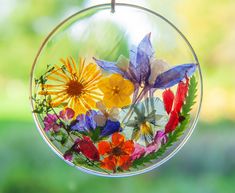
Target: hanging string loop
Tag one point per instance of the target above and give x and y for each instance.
(113, 6)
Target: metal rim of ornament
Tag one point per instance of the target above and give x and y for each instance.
(161, 161)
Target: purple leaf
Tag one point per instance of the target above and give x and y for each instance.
(174, 76)
(109, 66)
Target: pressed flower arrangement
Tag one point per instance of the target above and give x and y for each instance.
(117, 117)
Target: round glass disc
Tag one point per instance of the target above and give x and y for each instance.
(116, 94)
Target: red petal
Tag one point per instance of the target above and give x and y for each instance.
(168, 98)
(109, 163)
(89, 149)
(117, 139)
(181, 94)
(124, 162)
(172, 123)
(104, 147)
(128, 147)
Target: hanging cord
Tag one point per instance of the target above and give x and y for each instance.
(113, 3)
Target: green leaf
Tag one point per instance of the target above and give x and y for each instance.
(64, 139)
(95, 134)
(79, 160)
(173, 137)
(192, 94)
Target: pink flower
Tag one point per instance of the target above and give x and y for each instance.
(160, 137)
(68, 155)
(67, 114)
(151, 148)
(139, 151)
(50, 122)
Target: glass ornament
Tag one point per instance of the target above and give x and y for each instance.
(116, 93)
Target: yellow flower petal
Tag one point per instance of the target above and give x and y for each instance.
(127, 88)
(125, 100)
(116, 80)
(104, 85)
(117, 91)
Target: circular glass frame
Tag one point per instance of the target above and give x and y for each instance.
(168, 154)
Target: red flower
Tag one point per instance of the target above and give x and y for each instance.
(172, 123)
(181, 94)
(87, 148)
(178, 100)
(168, 99)
(117, 154)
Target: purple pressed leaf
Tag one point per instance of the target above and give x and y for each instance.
(174, 76)
(109, 66)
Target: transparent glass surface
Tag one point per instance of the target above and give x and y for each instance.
(95, 34)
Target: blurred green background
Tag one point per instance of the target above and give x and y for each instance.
(205, 164)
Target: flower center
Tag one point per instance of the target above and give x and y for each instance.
(145, 128)
(117, 151)
(116, 90)
(75, 88)
(106, 114)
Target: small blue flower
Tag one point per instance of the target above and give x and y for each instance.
(87, 123)
(90, 121)
(84, 122)
(110, 128)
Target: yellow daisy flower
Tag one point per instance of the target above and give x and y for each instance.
(116, 90)
(74, 84)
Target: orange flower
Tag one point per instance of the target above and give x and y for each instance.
(116, 153)
(74, 85)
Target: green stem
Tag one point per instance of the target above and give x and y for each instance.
(139, 97)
